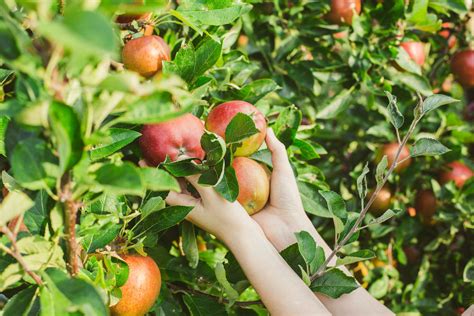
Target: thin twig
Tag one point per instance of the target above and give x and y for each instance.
(175, 288)
(15, 253)
(354, 228)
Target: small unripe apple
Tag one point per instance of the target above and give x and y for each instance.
(142, 288)
(222, 115)
(456, 171)
(342, 11)
(145, 54)
(178, 138)
(381, 202)
(390, 150)
(254, 184)
(416, 51)
(462, 66)
(426, 204)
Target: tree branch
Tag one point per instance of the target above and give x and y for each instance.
(15, 253)
(175, 288)
(354, 228)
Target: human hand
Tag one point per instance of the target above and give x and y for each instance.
(212, 212)
(284, 214)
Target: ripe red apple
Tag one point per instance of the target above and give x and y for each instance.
(342, 11)
(145, 54)
(426, 204)
(456, 171)
(254, 184)
(462, 66)
(221, 115)
(142, 288)
(390, 150)
(177, 138)
(382, 201)
(415, 50)
(446, 32)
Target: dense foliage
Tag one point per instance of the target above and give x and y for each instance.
(345, 93)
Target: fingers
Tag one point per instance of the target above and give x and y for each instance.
(279, 155)
(204, 192)
(174, 198)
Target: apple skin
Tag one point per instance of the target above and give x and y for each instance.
(254, 184)
(416, 51)
(462, 66)
(342, 11)
(382, 201)
(178, 138)
(426, 204)
(145, 54)
(142, 288)
(390, 150)
(221, 115)
(456, 171)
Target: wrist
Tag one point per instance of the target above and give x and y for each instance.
(246, 230)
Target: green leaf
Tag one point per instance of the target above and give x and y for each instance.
(354, 257)
(184, 63)
(396, 117)
(153, 204)
(30, 161)
(255, 90)
(435, 101)
(385, 216)
(379, 288)
(306, 150)
(428, 147)
(240, 127)
(313, 202)
(264, 156)
(120, 179)
(214, 146)
(286, 124)
(362, 182)
(404, 60)
(468, 273)
(334, 283)
(215, 16)
(228, 187)
(412, 81)
(199, 305)
(312, 254)
(163, 219)
(213, 175)
(221, 277)
(189, 243)
(22, 302)
(67, 130)
(3, 128)
(80, 27)
(381, 168)
(335, 106)
(337, 207)
(159, 180)
(15, 204)
(207, 54)
(109, 141)
(74, 293)
(183, 168)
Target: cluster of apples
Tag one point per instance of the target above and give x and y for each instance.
(425, 199)
(180, 138)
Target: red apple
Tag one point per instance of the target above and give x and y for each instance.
(381, 202)
(415, 50)
(342, 11)
(145, 54)
(221, 115)
(457, 172)
(254, 184)
(426, 204)
(142, 288)
(462, 66)
(390, 150)
(178, 138)
(446, 32)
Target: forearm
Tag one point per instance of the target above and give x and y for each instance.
(281, 290)
(358, 302)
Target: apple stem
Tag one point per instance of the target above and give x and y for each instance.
(15, 253)
(322, 269)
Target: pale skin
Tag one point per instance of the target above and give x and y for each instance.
(255, 242)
